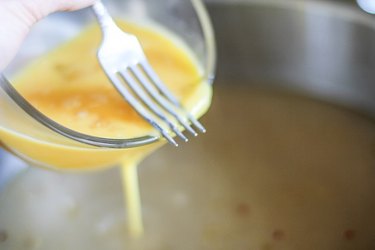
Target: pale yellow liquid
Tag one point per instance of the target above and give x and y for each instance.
(292, 174)
(69, 86)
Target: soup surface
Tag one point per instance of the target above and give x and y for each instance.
(287, 172)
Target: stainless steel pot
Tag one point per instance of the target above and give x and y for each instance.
(322, 50)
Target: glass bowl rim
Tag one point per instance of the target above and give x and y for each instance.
(102, 142)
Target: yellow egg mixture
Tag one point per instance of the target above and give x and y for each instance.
(69, 86)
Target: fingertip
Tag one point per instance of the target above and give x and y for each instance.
(72, 5)
(44, 8)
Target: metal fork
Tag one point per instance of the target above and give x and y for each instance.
(123, 60)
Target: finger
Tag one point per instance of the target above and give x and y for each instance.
(42, 8)
(17, 17)
(70, 5)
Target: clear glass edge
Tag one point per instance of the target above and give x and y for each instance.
(103, 142)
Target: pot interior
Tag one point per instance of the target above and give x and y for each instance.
(287, 163)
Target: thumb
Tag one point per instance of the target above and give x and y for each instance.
(42, 8)
(17, 17)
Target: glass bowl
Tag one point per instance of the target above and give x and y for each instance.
(53, 145)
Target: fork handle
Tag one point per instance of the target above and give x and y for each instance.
(102, 15)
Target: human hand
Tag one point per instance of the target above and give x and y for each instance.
(18, 16)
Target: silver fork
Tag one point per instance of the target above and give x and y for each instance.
(123, 60)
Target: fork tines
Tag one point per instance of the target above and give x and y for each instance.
(143, 89)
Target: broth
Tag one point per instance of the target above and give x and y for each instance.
(275, 171)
